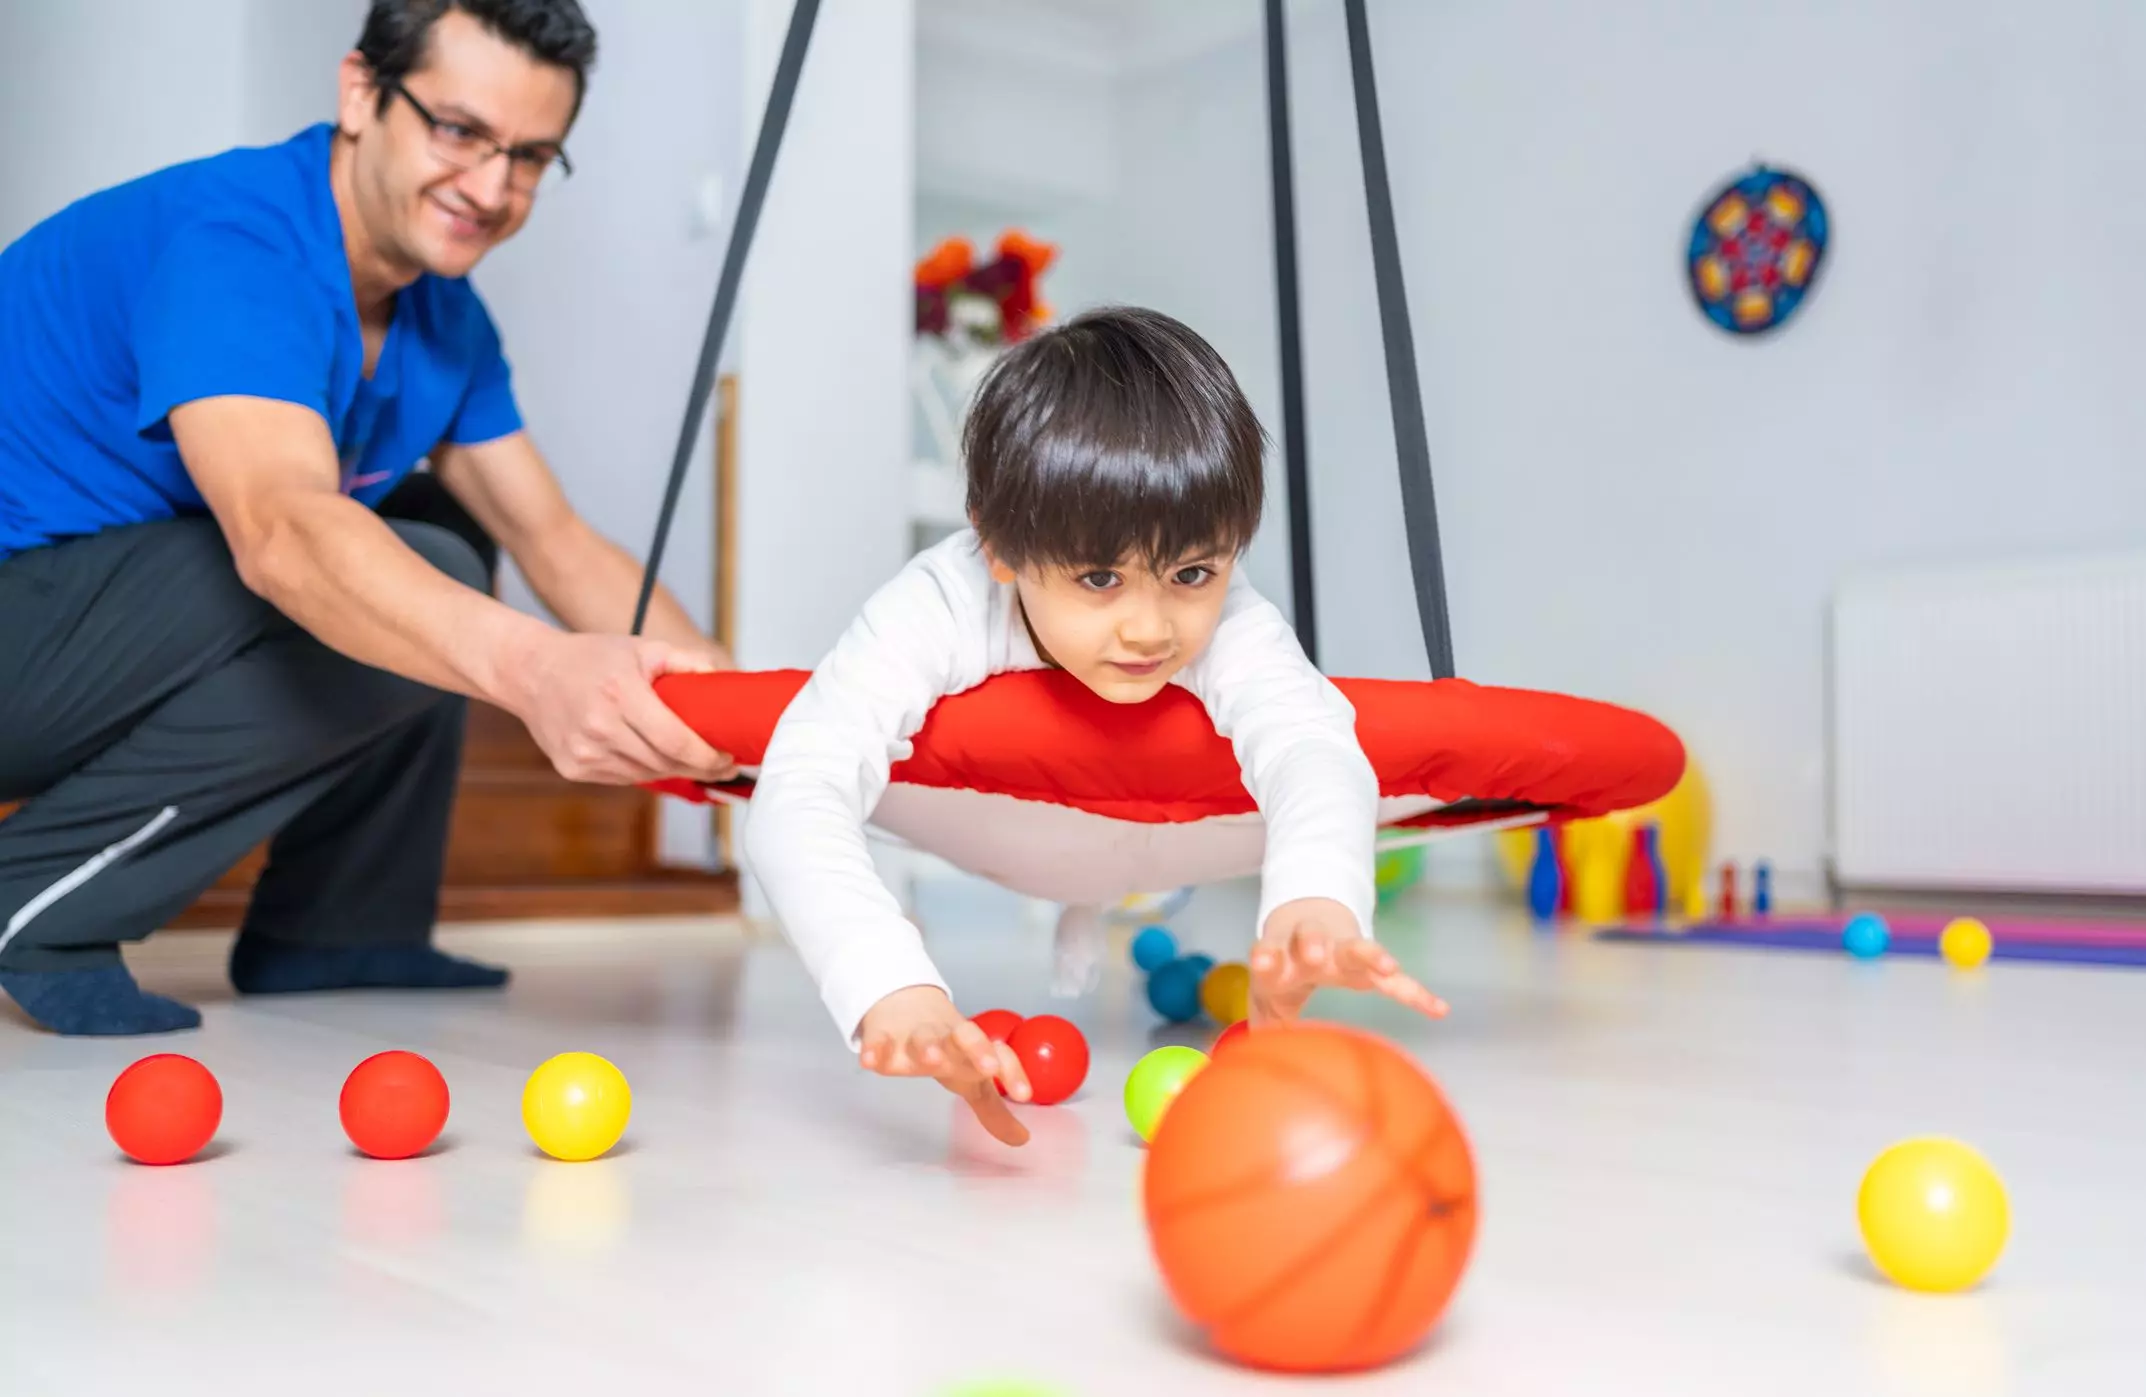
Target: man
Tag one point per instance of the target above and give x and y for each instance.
(228, 610)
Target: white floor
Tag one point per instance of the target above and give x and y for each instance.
(1669, 1145)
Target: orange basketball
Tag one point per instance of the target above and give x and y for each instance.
(1311, 1200)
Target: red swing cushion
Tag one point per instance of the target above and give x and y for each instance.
(1042, 736)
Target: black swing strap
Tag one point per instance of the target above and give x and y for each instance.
(772, 122)
(1419, 506)
(1295, 458)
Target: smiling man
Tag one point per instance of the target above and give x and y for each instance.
(230, 608)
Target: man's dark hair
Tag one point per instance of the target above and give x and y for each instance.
(398, 32)
(1118, 434)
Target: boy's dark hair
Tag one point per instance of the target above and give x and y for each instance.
(1118, 434)
(397, 33)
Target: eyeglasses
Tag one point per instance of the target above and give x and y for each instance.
(465, 147)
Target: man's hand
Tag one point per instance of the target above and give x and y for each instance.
(917, 1032)
(700, 654)
(1315, 941)
(590, 703)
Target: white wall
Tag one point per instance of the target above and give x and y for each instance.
(93, 92)
(603, 297)
(824, 335)
(1012, 113)
(113, 89)
(292, 51)
(1636, 507)
(823, 346)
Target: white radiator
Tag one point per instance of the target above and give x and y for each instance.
(1988, 728)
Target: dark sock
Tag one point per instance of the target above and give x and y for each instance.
(104, 1002)
(262, 966)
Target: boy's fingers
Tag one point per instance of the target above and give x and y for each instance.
(1012, 1073)
(993, 1114)
(1369, 958)
(925, 1048)
(1278, 1006)
(1404, 990)
(988, 1060)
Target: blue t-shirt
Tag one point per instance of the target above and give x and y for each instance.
(220, 276)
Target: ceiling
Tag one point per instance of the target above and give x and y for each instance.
(1089, 35)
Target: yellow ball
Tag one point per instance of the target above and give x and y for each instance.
(1226, 993)
(1933, 1214)
(575, 1106)
(1964, 944)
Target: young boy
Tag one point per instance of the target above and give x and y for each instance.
(1115, 475)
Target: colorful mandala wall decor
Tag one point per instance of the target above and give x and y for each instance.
(1756, 248)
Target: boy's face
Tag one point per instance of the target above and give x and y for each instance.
(1123, 629)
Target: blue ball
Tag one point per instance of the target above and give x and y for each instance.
(1174, 990)
(1154, 948)
(1866, 935)
(1203, 961)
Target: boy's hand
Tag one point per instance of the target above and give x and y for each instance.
(1315, 941)
(917, 1032)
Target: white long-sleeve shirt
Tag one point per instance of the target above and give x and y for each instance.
(941, 626)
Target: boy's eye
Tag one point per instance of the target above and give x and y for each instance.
(1101, 580)
(1194, 576)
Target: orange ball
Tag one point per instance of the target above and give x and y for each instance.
(393, 1105)
(164, 1109)
(1310, 1200)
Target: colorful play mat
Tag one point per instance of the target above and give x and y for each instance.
(1755, 250)
(2073, 942)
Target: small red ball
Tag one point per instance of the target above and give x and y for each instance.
(998, 1026)
(394, 1104)
(164, 1109)
(1230, 1037)
(1054, 1055)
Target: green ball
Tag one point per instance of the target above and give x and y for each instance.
(1155, 1082)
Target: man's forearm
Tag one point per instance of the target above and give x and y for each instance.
(332, 566)
(591, 584)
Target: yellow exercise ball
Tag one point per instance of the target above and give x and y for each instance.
(1596, 850)
(1933, 1213)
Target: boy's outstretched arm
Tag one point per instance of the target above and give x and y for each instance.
(1295, 737)
(825, 769)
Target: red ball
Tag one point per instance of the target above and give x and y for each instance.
(1230, 1037)
(1054, 1055)
(998, 1026)
(394, 1104)
(164, 1109)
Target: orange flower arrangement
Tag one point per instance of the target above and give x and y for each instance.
(1008, 282)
